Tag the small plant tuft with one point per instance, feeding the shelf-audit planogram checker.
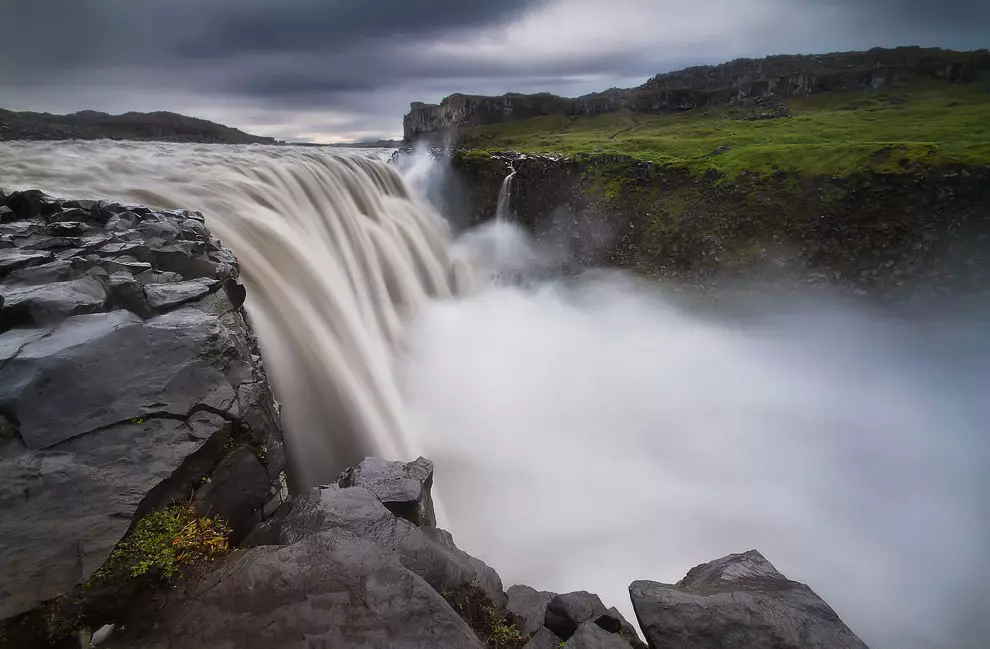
(482, 614)
(164, 540)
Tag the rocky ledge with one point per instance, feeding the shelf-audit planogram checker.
(360, 563)
(129, 379)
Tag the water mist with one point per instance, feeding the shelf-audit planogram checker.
(591, 431)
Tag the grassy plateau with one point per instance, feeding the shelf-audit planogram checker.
(892, 130)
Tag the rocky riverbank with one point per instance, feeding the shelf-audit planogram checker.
(915, 235)
(143, 483)
(129, 380)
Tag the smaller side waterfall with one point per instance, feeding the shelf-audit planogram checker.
(503, 211)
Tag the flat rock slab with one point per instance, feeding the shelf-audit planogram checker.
(13, 258)
(738, 602)
(109, 368)
(53, 302)
(402, 487)
(332, 589)
(163, 297)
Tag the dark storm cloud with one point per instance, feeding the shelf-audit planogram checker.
(360, 62)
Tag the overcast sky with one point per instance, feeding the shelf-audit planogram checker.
(338, 70)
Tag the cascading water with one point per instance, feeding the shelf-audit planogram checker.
(334, 252)
(503, 210)
(588, 433)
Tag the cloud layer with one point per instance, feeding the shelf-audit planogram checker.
(347, 69)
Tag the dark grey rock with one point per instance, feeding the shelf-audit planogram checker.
(114, 449)
(146, 277)
(41, 242)
(163, 297)
(591, 636)
(55, 271)
(66, 229)
(125, 263)
(65, 509)
(332, 589)
(528, 607)
(31, 203)
(124, 292)
(741, 602)
(354, 509)
(236, 491)
(543, 639)
(402, 487)
(122, 221)
(567, 612)
(614, 622)
(47, 303)
(145, 368)
(235, 291)
(13, 258)
(430, 553)
(6, 214)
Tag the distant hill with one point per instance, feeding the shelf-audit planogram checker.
(92, 125)
(752, 83)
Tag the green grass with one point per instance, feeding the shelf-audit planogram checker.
(890, 130)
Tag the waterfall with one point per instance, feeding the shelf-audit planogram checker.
(592, 431)
(336, 255)
(503, 210)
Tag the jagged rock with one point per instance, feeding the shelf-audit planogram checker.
(146, 368)
(567, 612)
(403, 488)
(528, 607)
(355, 509)
(614, 622)
(591, 636)
(13, 258)
(6, 214)
(740, 602)
(237, 490)
(30, 203)
(46, 303)
(55, 271)
(125, 292)
(332, 589)
(106, 416)
(543, 639)
(153, 277)
(235, 291)
(163, 297)
(431, 553)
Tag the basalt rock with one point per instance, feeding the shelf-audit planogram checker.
(740, 602)
(114, 405)
(528, 607)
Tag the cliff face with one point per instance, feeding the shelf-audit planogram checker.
(460, 110)
(93, 125)
(892, 237)
(747, 82)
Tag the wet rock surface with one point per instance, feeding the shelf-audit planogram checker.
(739, 601)
(118, 397)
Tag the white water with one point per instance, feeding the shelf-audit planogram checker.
(503, 209)
(591, 433)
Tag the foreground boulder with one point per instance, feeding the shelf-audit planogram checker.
(738, 602)
(119, 396)
(340, 569)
